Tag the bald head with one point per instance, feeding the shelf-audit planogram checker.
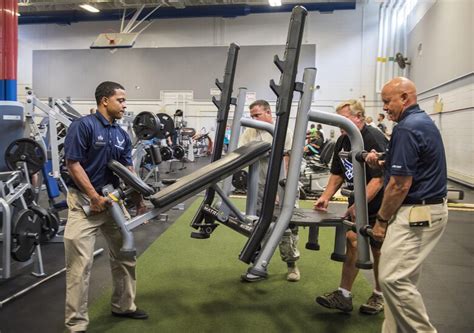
(397, 95)
(402, 85)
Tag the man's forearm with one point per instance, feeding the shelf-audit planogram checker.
(334, 184)
(395, 193)
(80, 178)
(373, 187)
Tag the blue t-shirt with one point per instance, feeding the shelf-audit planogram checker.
(416, 149)
(93, 141)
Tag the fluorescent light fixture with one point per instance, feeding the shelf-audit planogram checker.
(274, 3)
(89, 8)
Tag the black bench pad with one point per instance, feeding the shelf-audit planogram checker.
(201, 179)
(311, 217)
(129, 178)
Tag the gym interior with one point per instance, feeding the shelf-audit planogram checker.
(236, 132)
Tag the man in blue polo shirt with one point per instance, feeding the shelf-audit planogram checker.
(90, 143)
(414, 211)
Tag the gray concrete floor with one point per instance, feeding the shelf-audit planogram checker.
(446, 284)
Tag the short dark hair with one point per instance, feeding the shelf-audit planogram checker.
(260, 102)
(312, 126)
(319, 126)
(106, 89)
(382, 115)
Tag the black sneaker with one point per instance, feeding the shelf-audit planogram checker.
(335, 300)
(373, 306)
(137, 314)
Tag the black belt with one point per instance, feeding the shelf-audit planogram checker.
(430, 201)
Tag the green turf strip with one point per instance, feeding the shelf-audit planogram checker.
(191, 285)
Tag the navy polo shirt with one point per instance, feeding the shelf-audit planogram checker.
(93, 141)
(416, 149)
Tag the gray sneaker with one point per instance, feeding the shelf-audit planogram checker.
(373, 306)
(335, 300)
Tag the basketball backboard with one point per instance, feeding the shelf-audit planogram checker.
(114, 40)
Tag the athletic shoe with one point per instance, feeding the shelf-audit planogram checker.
(335, 300)
(293, 274)
(373, 306)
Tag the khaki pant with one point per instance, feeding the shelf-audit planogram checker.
(403, 252)
(79, 239)
(289, 245)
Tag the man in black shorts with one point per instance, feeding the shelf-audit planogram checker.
(342, 172)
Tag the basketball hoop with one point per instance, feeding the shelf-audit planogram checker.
(112, 38)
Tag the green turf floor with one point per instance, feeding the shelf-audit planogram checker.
(190, 285)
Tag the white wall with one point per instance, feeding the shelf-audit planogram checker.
(345, 41)
(346, 51)
(445, 33)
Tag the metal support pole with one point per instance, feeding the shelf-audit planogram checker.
(223, 106)
(6, 240)
(284, 90)
(234, 141)
(360, 197)
(252, 189)
(291, 187)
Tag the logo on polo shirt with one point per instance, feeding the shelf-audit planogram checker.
(119, 143)
(349, 168)
(100, 138)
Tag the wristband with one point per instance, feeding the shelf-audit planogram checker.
(380, 219)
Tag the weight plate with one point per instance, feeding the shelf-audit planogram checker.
(146, 125)
(25, 150)
(29, 196)
(178, 152)
(49, 226)
(166, 153)
(239, 180)
(26, 234)
(147, 158)
(167, 125)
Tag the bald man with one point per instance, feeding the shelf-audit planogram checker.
(414, 211)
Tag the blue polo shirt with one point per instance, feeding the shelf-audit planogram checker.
(416, 149)
(93, 141)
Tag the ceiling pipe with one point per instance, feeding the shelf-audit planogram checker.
(69, 17)
(386, 41)
(378, 70)
(393, 39)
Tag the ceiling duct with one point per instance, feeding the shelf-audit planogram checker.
(68, 12)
